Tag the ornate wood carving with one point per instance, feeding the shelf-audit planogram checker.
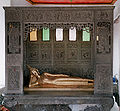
(103, 15)
(14, 76)
(59, 54)
(13, 59)
(53, 25)
(57, 15)
(14, 38)
(104, 37)
(45, 52)
(33, 15)
(85, 54)
(78, 16)
(104, 78)
(13, 15)
(72, 55)
(45, 55)
(33, 54)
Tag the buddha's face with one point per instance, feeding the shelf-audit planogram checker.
(35, 72)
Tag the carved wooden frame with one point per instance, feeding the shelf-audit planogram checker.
(101, 17)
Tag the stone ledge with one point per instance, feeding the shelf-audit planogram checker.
(35, 99)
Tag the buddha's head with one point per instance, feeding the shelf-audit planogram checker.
(34, 71)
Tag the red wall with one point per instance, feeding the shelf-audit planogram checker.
(72, 1)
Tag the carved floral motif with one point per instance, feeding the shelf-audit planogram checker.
(14, 76)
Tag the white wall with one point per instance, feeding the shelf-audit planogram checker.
(2, 41)
(116, 44)
(117, 9)
(116, 49)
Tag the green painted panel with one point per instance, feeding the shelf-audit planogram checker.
(46, 34)
(86, 34)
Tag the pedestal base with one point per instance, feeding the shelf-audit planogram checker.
(41, 102)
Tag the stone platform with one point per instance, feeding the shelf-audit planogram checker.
(58, 101)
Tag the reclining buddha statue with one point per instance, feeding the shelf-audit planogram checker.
(47, 80)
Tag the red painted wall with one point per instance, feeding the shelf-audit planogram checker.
(72, 1)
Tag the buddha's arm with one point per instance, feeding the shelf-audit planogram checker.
(33, 81)
(73, 79)
(55, 75)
